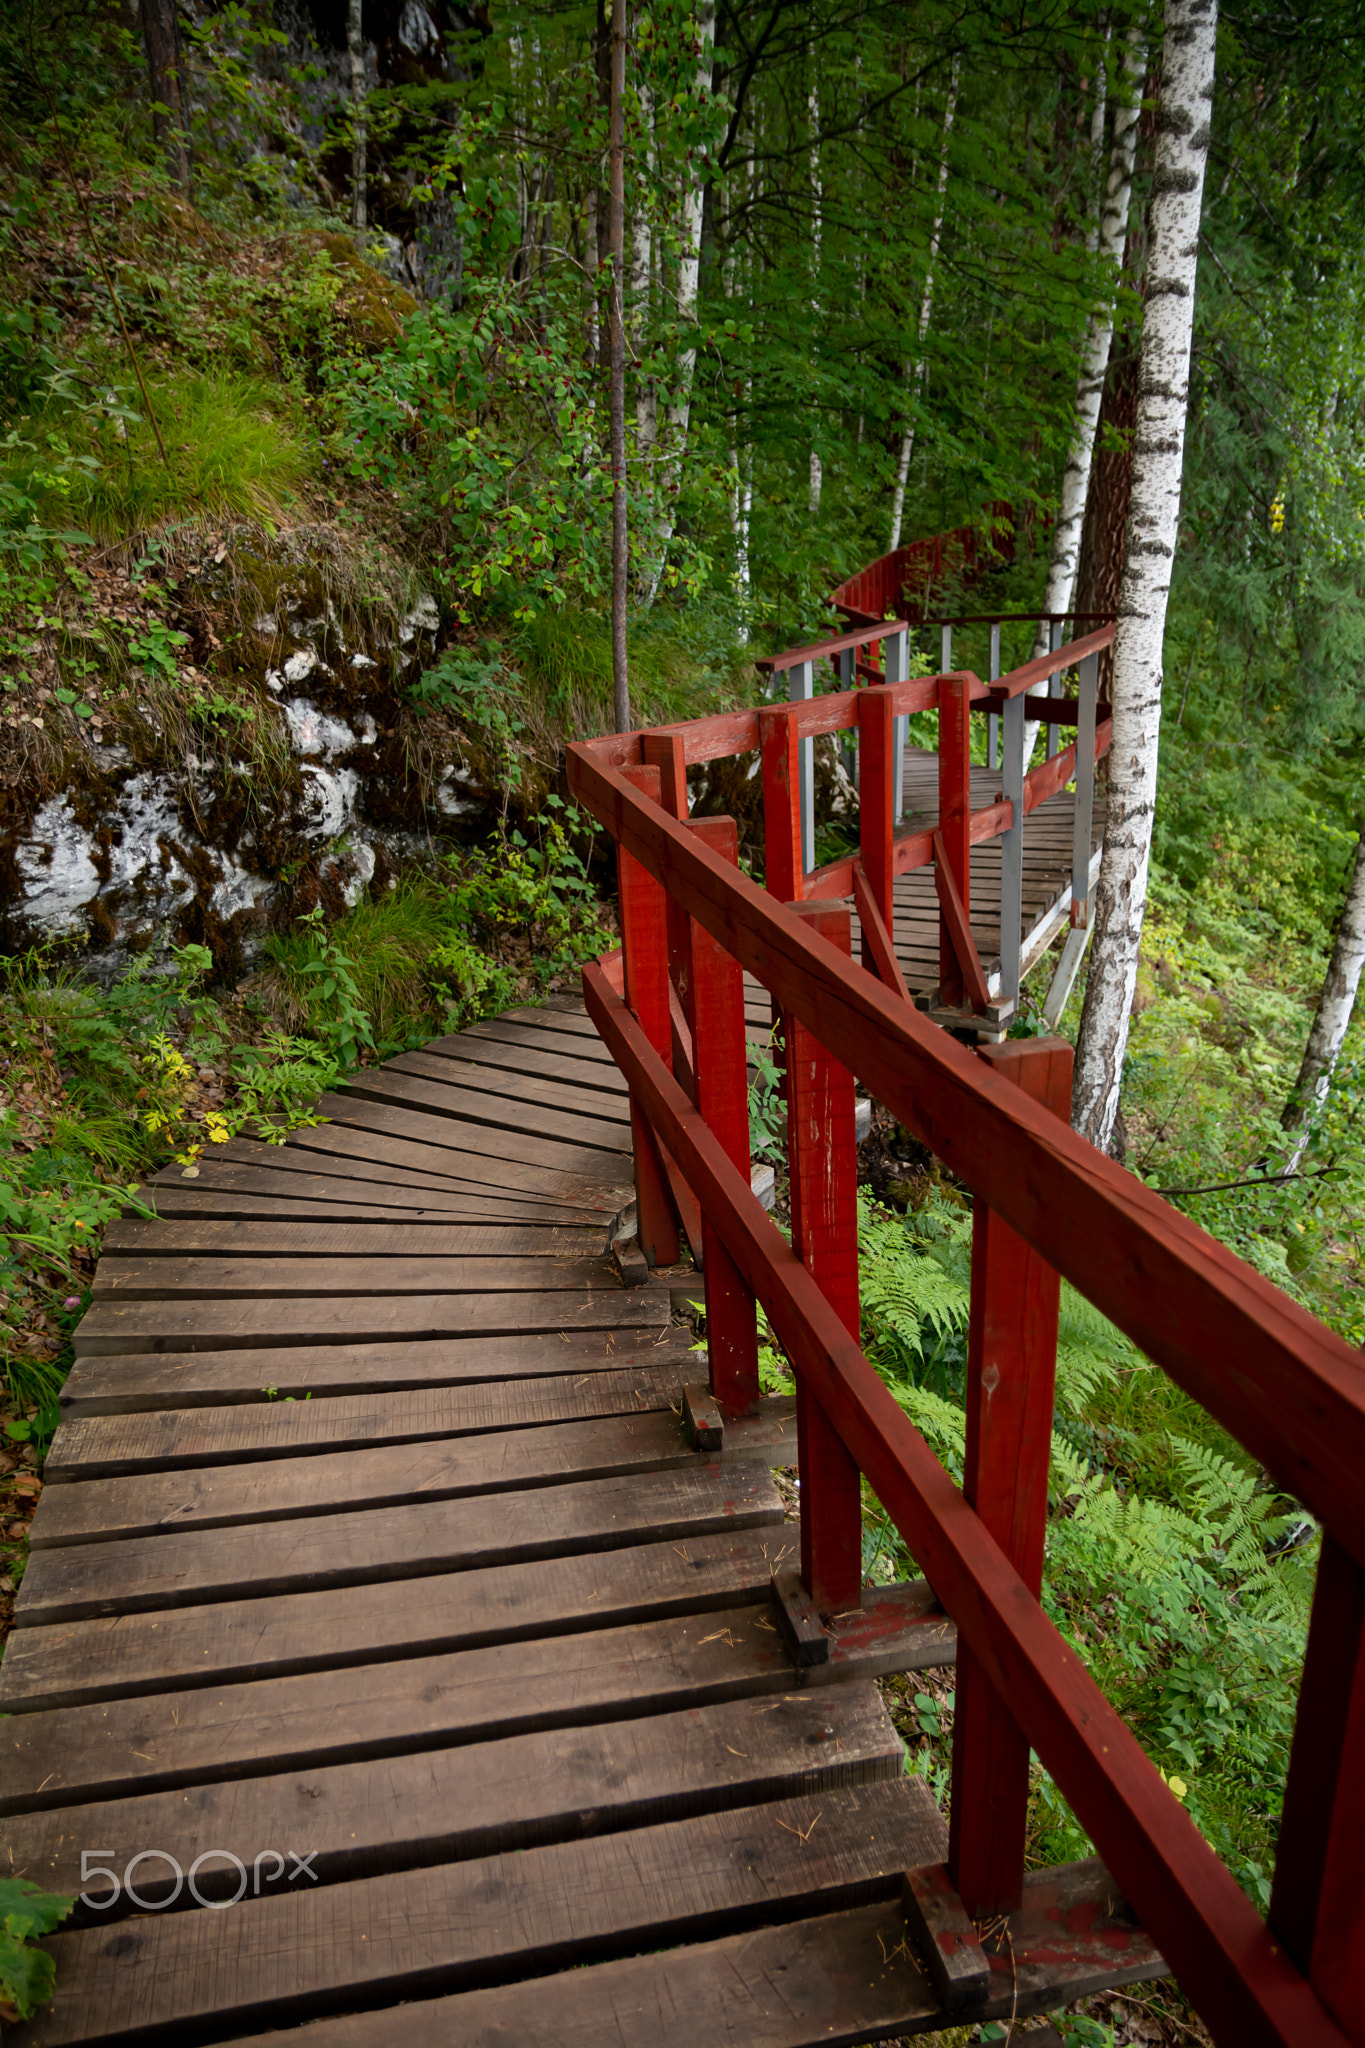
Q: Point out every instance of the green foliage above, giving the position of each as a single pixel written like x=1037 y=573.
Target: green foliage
x=480 y=689
x=27 y=1974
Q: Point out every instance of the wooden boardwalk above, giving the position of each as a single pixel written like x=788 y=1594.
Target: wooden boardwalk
x=376 y=1588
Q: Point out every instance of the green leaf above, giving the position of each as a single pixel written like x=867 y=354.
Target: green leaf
x=28 y=1976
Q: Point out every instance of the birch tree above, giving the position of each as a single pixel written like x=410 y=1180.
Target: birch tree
x=1182 y=147
x=679 y=409
x=914 y=369
x=1332 y=1017
x=1106 y=243
x=817 y=468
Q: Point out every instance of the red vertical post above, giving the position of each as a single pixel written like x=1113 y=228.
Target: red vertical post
x=1317 y=1905
x=666 y=752
x=779 y=752
x=720 y=1054
x=1011 y=1369
x=876 y=802
x=823 y=1160
x=644 y=944
x=954 y=816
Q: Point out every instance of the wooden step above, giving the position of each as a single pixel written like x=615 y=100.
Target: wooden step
x=126 y=1382
x=510 y=1053
x=382 y=1238
x=80 y=1754
x=282 y=1957
x=562 y=1111
x=216 y=1496
x=300 y=1277
x=76 y=1661
x=104 y=1446
x=112 y=1326
x=450 y=1804
x=143 y=1574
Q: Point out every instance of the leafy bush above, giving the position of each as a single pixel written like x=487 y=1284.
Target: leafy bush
x=27 y=1974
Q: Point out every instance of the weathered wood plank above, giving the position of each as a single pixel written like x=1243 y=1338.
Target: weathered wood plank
x=590 y=1158
x=281 y=1957
x=215 y=1496
x=111 y=1326
x=509 y=1054
x=78 y=1754
x=607 y=1131
x=839 y=1977
x=325 y=1238
x=238 y=1640
x=451 y=1804
x=317 y=1279
x=535 y=1037
x=172 y=1201
x=104 y=1446
x=365 y=1136
x=298 y=1176
x=129 y=1382
x=582 y=1086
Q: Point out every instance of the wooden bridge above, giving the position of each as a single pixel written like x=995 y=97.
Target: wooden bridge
x=416 y=1646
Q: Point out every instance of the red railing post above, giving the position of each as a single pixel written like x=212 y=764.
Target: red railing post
x=1011 y=1368
x=666 y=752
x=780 y=755
x=822 y=1155
x=876 y=803
x=644 y=946
x=1317 y=1905
x=954 y=819
x=720 y=1059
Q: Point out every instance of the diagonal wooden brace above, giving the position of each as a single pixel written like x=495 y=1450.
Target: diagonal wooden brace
x=876 y=938
x=959 y=931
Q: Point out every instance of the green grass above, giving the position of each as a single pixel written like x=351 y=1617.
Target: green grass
x=233 y=453
x=389 y=940
x=566 y=657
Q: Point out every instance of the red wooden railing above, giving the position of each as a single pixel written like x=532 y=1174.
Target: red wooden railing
x=670 y=1008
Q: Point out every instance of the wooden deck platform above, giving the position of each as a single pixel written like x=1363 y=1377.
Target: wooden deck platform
x=385 y=1645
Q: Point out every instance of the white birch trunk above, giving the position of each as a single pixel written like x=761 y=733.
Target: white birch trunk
x=1110 y=234
x=355 y=50
x=1333 y=1015
x=1182 y=149
x=679 y=409
x=914 y=371
x=641 y=255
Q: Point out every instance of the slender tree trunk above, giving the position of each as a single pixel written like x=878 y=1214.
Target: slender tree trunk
x=679 y=411
x=914 y=371
x=817 y=468
x=1100 y=571
x=620 y=561
x=1153 y=524
x=355 y=50
x=165 y=71
x=1108 y=243
x=1333 y=1015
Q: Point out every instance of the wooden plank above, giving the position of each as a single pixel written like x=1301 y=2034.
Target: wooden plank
x=593 y=1159
x=282 y=1956
x=78 y=1754
x=146 y=1574
x=499 y=1112
x=327 y=1239
x=557 y=1091
x=249 y=1639
x=297 y=1176
x=838 y=1977
x=353 y=1138
x=173 y=1201
x=229 y=1279
x=112 y=1326
x=456 y=1803
x=102 y=1446
x=507 y=1054
x=127 y=1382
x=535 y=1037
x=206 y=1497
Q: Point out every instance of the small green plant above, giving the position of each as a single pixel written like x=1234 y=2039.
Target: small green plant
x=481 y=689
x=28 y=1975
x=336 y=1007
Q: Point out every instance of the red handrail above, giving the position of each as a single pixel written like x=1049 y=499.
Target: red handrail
x=1282 y=1384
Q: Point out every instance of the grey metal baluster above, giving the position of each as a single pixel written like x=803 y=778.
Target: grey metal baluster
x=1054 y=688
x=1073 y=947
x=800 y=688
x=1012 y=852
x=993 y=719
